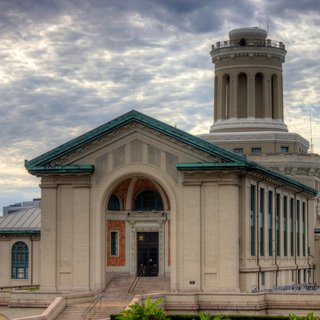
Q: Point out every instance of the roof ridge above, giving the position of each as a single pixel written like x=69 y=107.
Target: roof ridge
x=133 y=115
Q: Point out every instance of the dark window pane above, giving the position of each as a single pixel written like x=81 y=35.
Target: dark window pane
x=19 y=261
x=114 y=203
x=148 y=200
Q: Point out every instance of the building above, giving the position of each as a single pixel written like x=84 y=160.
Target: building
x=249 y=120
x=20 y=206
x=136 y=194
x=20 y=247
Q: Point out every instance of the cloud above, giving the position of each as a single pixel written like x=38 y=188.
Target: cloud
x=69 y=66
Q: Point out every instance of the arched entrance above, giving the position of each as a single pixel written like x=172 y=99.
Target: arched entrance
x=138 y=228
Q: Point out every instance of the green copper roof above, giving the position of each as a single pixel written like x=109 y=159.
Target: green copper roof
x=59 y=169
x=18 y=232
x=248 y=166
x=44 y=160
x=42 y=164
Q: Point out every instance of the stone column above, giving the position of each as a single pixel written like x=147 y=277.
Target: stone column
x=267 y=95
x=48 y=244
x=218 y=106
x=215 y=106
x=233 y=95
x=190 y=240
x=228 y=265
x=81 y=238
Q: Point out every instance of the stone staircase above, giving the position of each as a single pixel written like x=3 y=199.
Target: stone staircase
x=116 y=297
x=145 y=285
x=74 y=312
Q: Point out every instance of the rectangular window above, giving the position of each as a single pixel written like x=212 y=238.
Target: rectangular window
x=278 y=245
x=261 y=222
x=291 y=228
x=252 y=220
x=304 y=229
x=298 y=228
x=270 y=217
x=255 y=150
x=285 y=223
x=114 y=243
x=238 y=150
x=284 y=149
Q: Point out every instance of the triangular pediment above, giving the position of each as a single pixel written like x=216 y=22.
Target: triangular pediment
x=64 y=158
x=180 y=151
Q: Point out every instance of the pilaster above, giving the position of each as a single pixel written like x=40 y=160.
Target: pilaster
x=48 y=244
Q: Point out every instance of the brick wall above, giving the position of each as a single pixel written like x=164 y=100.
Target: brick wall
x=116 y=225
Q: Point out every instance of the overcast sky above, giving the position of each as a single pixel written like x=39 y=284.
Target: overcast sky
x=69 y=66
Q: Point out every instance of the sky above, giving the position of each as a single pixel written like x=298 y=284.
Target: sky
x=68 y=66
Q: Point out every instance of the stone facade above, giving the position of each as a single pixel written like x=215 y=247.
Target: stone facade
x=140 y=178
x=136 y=194
x=33 y=273
x=248 y=119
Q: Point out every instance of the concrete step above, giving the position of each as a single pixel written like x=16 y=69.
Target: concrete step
x=145 y=285
x=116 y=297
x=75 y=312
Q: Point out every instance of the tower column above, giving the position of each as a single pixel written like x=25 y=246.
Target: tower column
x=219 y=99
x=281 y=97
x=267 y=96
x=215 y=97
x=276 y=97
x=233 y=95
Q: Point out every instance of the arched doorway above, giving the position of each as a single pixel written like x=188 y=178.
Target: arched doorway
x=138 y=228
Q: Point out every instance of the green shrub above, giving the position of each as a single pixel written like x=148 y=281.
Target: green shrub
x=206 y=316
x=149 y=311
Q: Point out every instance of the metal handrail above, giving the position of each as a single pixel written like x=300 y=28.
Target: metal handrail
x=248 y=43
x=136 y=279
x=91 y=308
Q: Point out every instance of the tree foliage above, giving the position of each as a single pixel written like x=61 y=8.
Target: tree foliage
x=149 y=311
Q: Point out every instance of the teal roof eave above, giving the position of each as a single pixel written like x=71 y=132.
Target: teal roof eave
x=250 y=166
x=133 y=115
x=31 y=232
x=285 y=179
x=89 y=169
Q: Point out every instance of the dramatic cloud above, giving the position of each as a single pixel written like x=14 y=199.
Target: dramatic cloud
x=69 y=66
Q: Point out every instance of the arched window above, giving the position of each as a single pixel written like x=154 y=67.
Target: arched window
x=259 y=96
x=274 y=97
x=242 y=95
x=20 y=261
x=148 y=200
x=114 y=203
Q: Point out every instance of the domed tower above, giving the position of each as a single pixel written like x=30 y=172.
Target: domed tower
x=248 y=111
x=248 y=82
x=248 y=96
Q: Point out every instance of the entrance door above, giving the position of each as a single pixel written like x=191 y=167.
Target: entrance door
x=148 y=253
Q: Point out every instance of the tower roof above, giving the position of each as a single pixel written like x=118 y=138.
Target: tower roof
x=254 y=33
